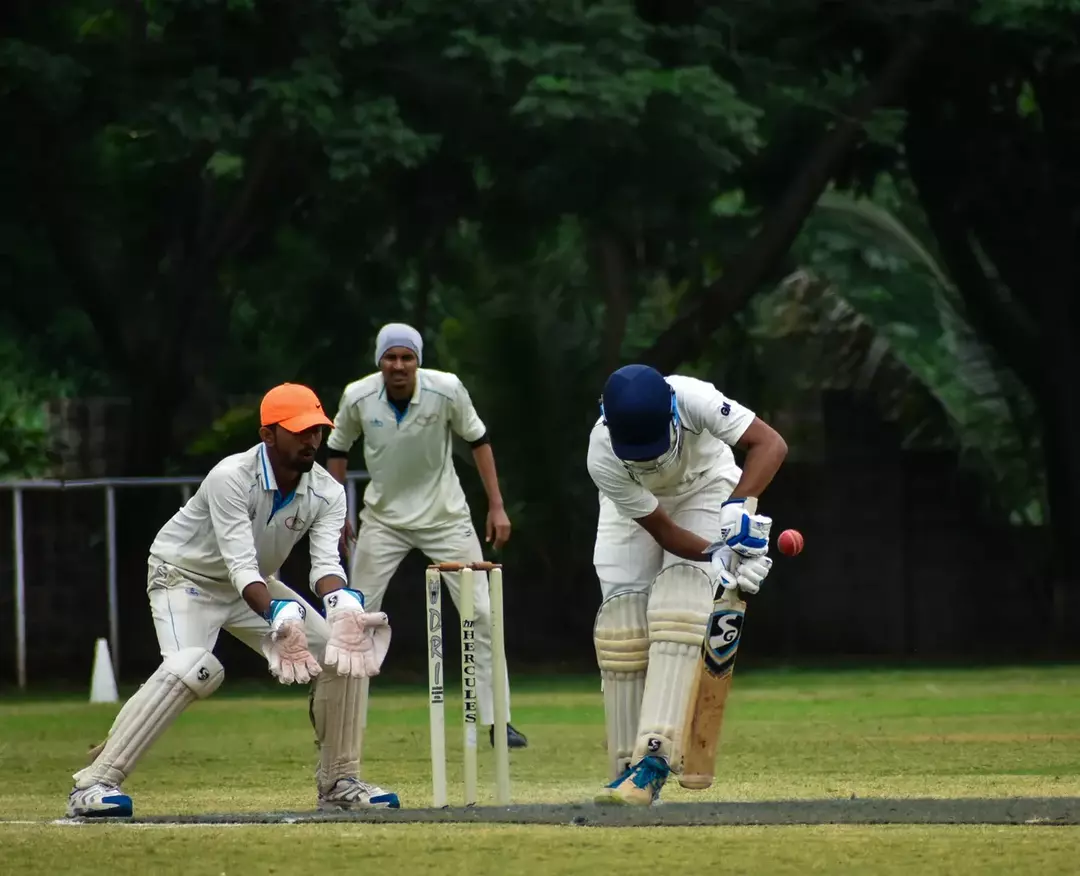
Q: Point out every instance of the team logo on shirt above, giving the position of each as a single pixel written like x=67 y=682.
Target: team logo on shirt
x=375 y=421
x=295 y=523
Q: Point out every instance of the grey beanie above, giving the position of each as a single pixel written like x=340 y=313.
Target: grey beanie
x=397 y=334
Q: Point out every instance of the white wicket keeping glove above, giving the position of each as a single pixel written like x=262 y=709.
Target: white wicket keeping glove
x=746 y=534
x=358 y=639
x=733 y=572
x=286 y=647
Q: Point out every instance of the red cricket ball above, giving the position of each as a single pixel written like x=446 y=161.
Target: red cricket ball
x=790 y=542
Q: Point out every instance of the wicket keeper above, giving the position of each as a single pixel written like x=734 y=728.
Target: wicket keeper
x=212 y=567
x=670 y=491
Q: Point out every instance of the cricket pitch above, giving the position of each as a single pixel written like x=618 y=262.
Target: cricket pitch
x=1017 y=810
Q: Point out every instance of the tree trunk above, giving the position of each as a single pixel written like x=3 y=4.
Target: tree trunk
x=152 y=438
x=1060 y=408
x=611 y=262
x=686 y=338
x=423 y=298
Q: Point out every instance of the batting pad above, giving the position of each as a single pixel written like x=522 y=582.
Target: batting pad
x=335 y=712
x=621 y=636
x=679 y=607
x=189 y=674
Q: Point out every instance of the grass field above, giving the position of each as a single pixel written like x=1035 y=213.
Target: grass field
x=918 y=733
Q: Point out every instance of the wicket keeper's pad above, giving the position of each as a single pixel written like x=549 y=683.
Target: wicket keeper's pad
x=185 y=676
x=621 y=636
x=335 y=712
x=679 y=606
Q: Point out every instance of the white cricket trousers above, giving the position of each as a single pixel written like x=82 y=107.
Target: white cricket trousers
x=627 y=558
x=379 y=551
x=189 y=615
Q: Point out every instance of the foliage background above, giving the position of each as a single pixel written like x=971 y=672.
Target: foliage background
x=798 y=201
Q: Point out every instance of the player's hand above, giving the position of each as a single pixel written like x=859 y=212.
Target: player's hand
x=358 y=639
x=498 y=528
x=746 y=534
x=723 y=563
x=750 y=573
x=286 y=648
x=733 y=572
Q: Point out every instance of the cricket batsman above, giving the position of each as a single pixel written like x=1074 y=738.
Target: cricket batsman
x=670 y=491
x=212 y=567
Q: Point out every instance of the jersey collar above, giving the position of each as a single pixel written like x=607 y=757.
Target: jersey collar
x=416 y=390
x=269 y=481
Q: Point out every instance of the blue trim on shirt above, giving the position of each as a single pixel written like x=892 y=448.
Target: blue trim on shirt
x=399 y=413
x=265 y=468
x=279 y=503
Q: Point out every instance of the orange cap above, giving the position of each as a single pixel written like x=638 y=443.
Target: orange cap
x=294 y=407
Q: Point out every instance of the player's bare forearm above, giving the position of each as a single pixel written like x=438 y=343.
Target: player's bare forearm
x=328 y=584
x=338 y=467
x=765 y=453
x=257 y=597
x=485 y=464
x=673 y=538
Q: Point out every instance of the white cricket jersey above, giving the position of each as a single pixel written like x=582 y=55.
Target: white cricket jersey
x=239 y=529
x=711 y=424
x=409 y=455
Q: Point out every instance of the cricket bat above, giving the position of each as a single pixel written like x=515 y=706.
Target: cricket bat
x=705 y=718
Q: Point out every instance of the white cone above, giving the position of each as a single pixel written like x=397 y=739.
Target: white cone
x=103 y=681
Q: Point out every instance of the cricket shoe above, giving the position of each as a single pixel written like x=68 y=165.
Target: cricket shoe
x=354 y=794
x=514 y=737
x=98 y=801
x=639 y=786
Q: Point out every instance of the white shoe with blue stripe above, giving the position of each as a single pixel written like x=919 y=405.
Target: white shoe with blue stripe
x=354 y=794
x=98 y=801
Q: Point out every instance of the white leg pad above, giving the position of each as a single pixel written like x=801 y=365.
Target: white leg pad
x=621 y=636
x=118 y=721
x=187 y=675
x=336 y=713
x=679 y=606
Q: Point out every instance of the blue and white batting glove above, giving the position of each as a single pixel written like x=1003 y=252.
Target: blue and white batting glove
x=723 y=562
x=746 y=534
x=734 y=572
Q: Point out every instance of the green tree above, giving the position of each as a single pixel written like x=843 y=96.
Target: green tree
x=991 y=144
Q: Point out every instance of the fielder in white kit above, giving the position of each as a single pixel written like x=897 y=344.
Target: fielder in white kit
x=670 y=492
x=212 y=567
x=405 y=415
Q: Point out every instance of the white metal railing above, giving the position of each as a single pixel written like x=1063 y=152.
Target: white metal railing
x=186 y=484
